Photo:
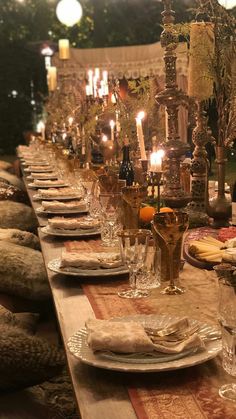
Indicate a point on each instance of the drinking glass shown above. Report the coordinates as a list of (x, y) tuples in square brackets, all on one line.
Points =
[(227, 319), (171, 226), (110, 214), (133, 248), (149, 276)]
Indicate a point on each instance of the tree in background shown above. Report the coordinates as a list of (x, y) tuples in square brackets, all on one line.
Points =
[(26, 25)]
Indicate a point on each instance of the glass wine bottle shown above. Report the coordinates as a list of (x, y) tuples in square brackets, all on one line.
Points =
[(126, 169), (234, 205)]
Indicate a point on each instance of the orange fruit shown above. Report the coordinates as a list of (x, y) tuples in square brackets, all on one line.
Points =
[(146, 214), (166, 209)]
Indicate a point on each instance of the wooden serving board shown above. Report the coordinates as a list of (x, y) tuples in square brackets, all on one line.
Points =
[(196, 235)]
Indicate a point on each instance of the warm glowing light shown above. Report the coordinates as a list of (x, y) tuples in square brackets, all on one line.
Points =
[(156, 161), (112, 124), (64, 49), (104, 138), (41, 128), (70, 120), (69, 12), (141, 115), (228, 4)]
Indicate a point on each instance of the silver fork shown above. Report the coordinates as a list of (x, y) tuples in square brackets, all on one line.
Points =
[(174, 337)]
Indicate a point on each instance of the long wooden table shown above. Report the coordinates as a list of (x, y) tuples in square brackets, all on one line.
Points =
[(102, 393)]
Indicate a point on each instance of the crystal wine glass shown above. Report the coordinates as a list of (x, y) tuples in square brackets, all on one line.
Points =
[(133, 247), (227, 319), (110, 203), (171, 226)]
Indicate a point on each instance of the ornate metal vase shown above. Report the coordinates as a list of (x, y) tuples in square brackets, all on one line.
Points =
[(219, 207)]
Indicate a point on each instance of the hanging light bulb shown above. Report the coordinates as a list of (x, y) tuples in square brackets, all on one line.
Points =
[(69, 12), (228, 4)]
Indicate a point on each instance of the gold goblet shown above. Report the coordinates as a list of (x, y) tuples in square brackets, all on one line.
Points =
[(171, 226), (133, 196)]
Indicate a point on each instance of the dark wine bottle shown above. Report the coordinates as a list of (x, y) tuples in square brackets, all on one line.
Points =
[(126, 168), (234, 205)]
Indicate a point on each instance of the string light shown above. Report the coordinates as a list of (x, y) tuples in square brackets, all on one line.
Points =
[(69, 12), (228, 4)]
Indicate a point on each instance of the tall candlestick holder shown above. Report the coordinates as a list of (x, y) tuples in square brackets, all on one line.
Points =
[(199, 170), (171, 97)]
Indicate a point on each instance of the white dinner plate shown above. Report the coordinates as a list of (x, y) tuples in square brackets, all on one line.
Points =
[(69, 233), (54, 265), (38, 197), (36, 163), (78, 346), (42, 211), (44, 170), (49, 177), (46, 186)]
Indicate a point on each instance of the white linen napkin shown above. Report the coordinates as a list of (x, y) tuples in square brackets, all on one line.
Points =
[(48, 182), (90, 260), (82, 223), (63, 206), (54, 192), (130, 337)]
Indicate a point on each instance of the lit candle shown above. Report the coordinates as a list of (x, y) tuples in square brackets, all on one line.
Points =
[(112, 125), (97, 73), (201, 60), (156, 161), (140, 136), (113, 99), (104, 138), (95, 87), (105, 76), (41, 129), (64, 49), (88, 90), (117, 122), (90, 80), (70, 120), (52, 78)]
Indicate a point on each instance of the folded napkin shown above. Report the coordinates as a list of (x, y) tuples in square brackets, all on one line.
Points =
[(43, 175), (73, 223), (90, 260), (34, 162), (35, 168), (131, 337), (48, 182), (54, 192), (63, 206)]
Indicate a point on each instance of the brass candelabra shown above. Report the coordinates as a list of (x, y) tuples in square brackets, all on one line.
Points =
[(171, 97)]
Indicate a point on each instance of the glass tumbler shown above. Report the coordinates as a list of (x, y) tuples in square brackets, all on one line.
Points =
[(227, 319)]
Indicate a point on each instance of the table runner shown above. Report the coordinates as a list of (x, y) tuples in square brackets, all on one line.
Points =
[(182, 394)]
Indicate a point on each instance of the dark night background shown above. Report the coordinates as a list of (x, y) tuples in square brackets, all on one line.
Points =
[(25, 25)]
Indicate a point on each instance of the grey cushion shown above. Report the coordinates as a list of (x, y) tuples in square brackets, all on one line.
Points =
[(22, 238), (25, 321), (12, 179), (25, 360), (4, 165), (22, 272), (17, 215)]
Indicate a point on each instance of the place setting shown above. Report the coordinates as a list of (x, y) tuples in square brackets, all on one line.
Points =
[(54, 207), (145, 343), (61, 193), (72, 227)]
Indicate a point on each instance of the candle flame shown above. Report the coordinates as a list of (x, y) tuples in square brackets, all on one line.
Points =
[(141, 115), (104, 138), (112, 124)]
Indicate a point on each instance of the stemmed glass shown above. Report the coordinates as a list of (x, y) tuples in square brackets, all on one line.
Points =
[(227, 319), (133, 248), (171, 226), (110, 203)]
